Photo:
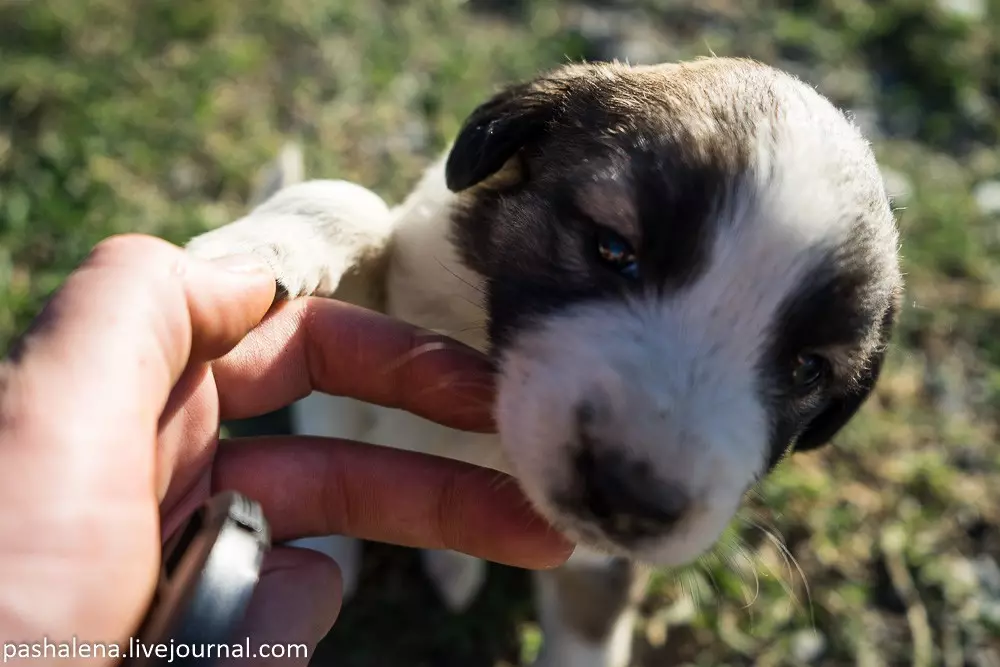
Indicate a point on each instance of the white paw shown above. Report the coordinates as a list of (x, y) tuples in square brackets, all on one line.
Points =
[(456, 576), (310, 234), (294, 277), (345, 552)]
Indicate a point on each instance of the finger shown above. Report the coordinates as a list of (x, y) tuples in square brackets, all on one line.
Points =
[(293, 607), (314, 486), (339, 349)]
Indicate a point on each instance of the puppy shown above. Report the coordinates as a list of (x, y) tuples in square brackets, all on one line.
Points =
[(683, 273)]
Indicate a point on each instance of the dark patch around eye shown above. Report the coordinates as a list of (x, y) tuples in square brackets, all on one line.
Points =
[(517, 239), (829, 309), (832, 308), (678, 200)]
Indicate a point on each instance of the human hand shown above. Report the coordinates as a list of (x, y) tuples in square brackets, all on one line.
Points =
[(109, 415)]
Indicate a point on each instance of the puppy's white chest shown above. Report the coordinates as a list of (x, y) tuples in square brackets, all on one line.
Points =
[(425, 287)]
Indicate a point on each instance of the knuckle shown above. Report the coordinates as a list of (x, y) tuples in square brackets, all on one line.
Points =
[(131, 245), (451, 533)]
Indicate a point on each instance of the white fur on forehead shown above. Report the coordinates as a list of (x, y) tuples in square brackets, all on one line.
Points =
[(813, 163)]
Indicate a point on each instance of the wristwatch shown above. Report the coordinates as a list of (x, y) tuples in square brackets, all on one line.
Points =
[(208, 573)]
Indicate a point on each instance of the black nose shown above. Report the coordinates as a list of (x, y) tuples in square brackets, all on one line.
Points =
[(624, 496)]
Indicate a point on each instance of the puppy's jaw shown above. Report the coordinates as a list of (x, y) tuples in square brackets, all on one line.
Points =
[(683, 406)]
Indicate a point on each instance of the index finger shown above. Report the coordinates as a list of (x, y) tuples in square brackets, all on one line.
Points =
[(315, 344)]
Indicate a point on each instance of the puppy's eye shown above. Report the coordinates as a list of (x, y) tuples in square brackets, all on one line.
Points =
[(810, 370), (617, 254)]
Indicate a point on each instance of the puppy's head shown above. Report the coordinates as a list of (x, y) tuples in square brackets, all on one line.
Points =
[(690, 270)]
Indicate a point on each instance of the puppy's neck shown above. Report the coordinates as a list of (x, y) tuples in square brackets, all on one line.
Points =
[(428, 284)]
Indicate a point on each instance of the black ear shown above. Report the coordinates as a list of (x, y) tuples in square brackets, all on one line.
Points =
[(497, 130), (829, 422)]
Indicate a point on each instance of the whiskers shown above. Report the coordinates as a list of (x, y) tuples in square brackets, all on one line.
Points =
[(478, 289), (757, 521), (695, 588), (736, 567), (738, 557), (436, 337), (731, 555), (414, 353), (435, 341)]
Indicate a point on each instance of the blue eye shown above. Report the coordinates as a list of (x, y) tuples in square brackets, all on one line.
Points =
[(617, 254)]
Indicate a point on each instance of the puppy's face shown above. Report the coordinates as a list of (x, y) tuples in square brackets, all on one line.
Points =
[(690, 270)]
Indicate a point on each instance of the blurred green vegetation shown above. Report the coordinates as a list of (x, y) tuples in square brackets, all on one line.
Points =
[(155, 116)]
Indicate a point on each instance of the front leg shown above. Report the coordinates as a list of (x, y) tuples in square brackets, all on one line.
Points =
[(313, 235), (587, 611)]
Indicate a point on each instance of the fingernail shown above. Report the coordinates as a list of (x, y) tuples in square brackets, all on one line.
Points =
[(242, 264)]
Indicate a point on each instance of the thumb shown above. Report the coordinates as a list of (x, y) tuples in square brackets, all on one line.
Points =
[(294, 606), (81, 395)]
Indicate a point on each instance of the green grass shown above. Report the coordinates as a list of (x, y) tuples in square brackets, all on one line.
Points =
[(155, 116)]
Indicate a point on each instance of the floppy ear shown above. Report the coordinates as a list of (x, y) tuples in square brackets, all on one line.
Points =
[(497, 130), (829, 422)]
